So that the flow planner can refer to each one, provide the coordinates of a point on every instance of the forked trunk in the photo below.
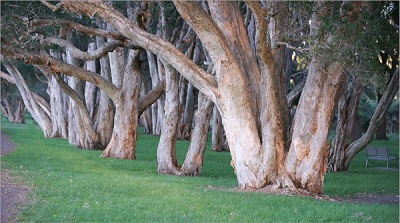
(124, 136)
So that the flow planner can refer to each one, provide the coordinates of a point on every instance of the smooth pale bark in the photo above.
(193, 164)
(38, 114)
(57, 103)
(347, 110)
(14, 116)
(103, 124)
(91, 138)
(227, 16)
(124, 136)
(188, 113)
(76, 128)
(379, 114)
(152, 60)
(90, 89)
(166, 151)
(218, 139)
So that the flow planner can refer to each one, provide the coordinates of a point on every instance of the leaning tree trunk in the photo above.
(347, 110)
(124, 136)
(379, 114)
(381, 131)
(14, 116)
(193, 164)
(166, 151)
(38, 114)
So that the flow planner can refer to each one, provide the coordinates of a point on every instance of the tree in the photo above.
(249, 87)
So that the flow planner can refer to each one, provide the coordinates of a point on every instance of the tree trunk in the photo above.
(57, 104)
(381, 131)
(188, 113)
(105, 118)
(218, 139)
(379, 114)
(7, 109)
(124, 136)
(347, 110)
(306, 160)
(194, 158)
(166, 151)
(38, 114)
(90, 89)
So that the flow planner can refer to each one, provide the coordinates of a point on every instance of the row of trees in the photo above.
(177, 67)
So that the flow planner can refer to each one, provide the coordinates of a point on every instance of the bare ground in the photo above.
(13, 194)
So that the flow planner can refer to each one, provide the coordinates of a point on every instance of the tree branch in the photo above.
(292, 47)
(59, 67)
(151, 97)
(163, 49)
(51, 6)
(7, 77)
(38, 23)
(77, 53)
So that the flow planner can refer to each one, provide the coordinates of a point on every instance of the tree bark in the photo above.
(347, 110)
(166, 151)
(123, 141)
(194, 158)
(105, 117)
(379, 114)
(38, 114)
(381, 131)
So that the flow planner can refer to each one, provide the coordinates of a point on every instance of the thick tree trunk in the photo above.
(124, 136)
(306, 160)
(194, 158)
(347, 110)
(166, 151)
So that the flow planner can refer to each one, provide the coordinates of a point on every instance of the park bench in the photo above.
(377, 153)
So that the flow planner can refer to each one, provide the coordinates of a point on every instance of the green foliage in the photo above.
(73, 185)
(353, 34)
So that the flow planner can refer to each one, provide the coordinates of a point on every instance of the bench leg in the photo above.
(366, 163)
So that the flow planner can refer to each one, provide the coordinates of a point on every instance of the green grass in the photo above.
(72, 185)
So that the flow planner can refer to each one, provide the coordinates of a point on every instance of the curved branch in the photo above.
(164, 50)
(59, 67)
(151, 97)
(77, 53)
(38, 23)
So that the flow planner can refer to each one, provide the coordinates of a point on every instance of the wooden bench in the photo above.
(377, 153)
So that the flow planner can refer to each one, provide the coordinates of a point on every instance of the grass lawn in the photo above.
(72, 185)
